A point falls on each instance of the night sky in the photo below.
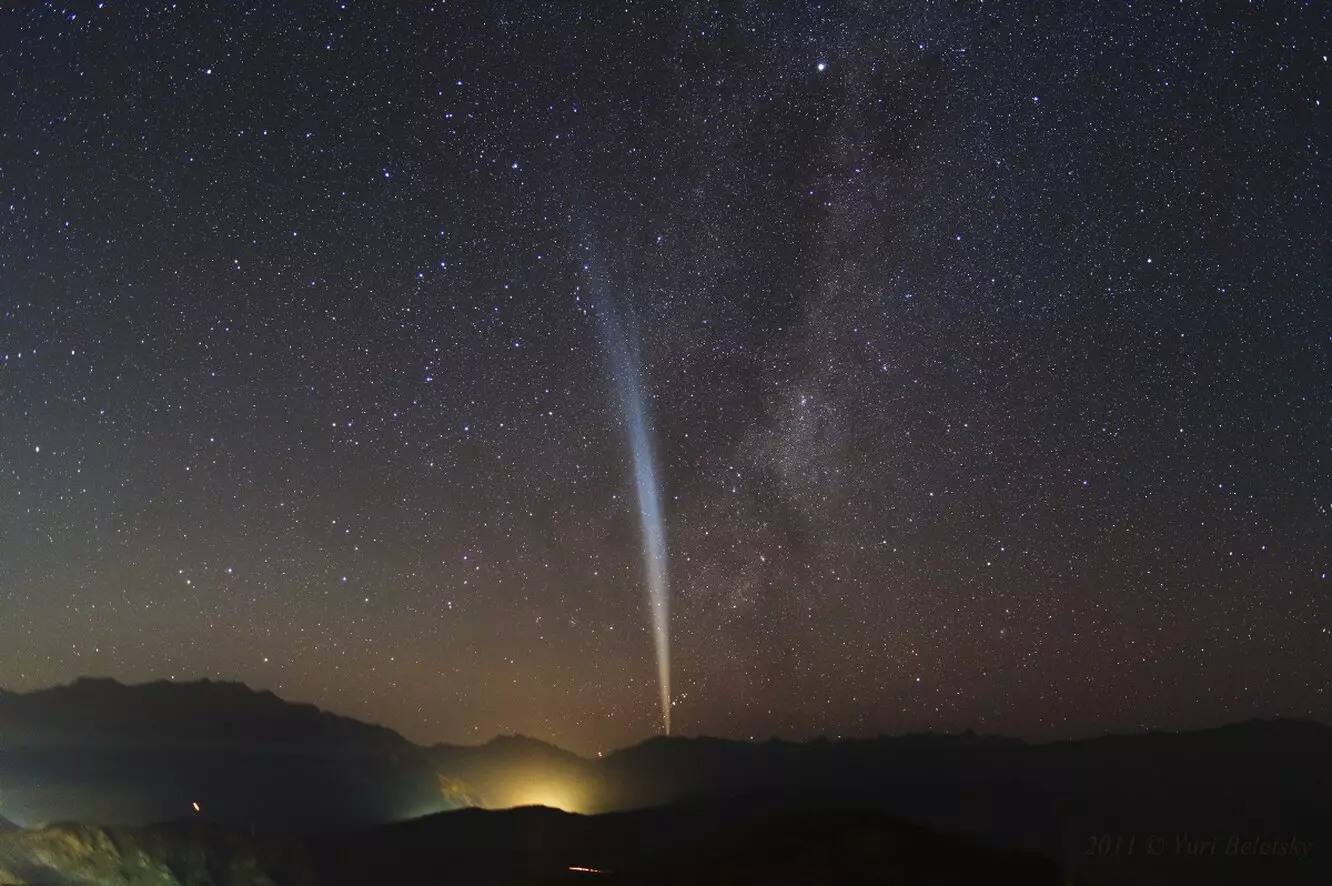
(984, 355)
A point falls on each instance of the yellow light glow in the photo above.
(554, 794)
(196, 806)
(519, 786)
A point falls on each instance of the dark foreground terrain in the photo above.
(727, 843)
(1239, 804)
(768, 840)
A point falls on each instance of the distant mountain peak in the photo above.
(111, 684)
(101, 711)
(523, 741)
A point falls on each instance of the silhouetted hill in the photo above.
(1073, 801)
(713, 843)
(102, 713)
(97, 751)
(519, 771)
(722, 842)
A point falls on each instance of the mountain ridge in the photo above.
(191, 709)
(151, 752)
(81, 687)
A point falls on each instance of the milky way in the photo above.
(973, 361)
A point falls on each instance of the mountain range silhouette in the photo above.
(109, 755)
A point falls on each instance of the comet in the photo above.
(628, 377)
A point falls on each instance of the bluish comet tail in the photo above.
(630, 387)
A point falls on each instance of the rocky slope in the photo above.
(173, 855)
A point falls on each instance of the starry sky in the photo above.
(985, 349)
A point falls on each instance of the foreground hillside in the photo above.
(169, 855)
(98, 751)
(721, 844)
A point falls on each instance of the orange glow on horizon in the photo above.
(550, 792)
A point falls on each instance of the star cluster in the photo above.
(987, 349)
